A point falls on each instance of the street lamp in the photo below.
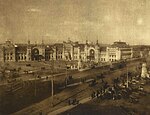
(52, 82)
(66, 80)
(127, 78)
(35, 91)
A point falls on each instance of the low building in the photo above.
(68, 51)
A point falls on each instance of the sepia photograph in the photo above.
(74, 57)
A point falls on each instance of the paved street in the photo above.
(66, 108)
(91, 72)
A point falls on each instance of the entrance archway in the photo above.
(35, 54)
(91, 54)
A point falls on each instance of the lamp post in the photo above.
(52, 83)
(127, 78)
(35, 86)
(66, 81)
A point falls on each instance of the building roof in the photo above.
(21, 48)
(81, 47)
(103, 48)
(58, 44)
(120, 45)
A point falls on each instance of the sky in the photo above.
(79, 20)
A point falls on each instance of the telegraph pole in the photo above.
(52, 82)
(35, 86)
(127, 78)
(66, 81)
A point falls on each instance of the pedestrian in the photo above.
(52, 104)
(40, 113)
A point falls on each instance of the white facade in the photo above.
(68, 51)
(118, 51)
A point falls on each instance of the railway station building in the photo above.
(67, 51)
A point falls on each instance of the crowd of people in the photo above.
(121, 88)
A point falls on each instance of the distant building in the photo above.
(68, 50)
(8, 51)
(143, 50)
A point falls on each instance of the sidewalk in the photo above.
(66, 108)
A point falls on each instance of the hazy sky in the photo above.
(58, 20)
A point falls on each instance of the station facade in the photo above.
(68, 51)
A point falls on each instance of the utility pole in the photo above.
(127, 78)
(52, 82)
(35, 86)
(66, 77)
(66, 80)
